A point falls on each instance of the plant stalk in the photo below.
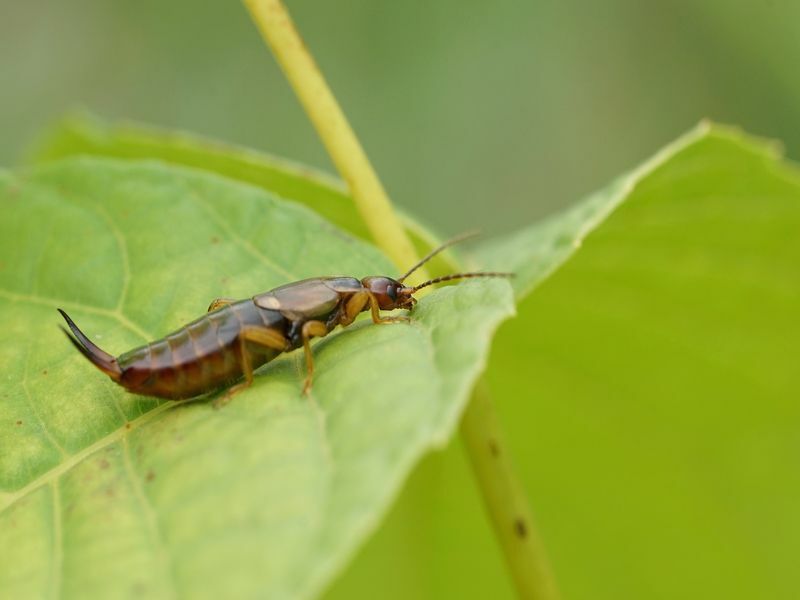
(505, 499)
(348, 156)
(479, 427)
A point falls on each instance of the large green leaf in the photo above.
(85, 134)
(649, 388)
(666, 372)
(82, 133)
(107, 494)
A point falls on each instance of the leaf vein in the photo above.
(63, 467)
(163, 558)
(58, 542)
(246, 244)
(32, 406)
(58, 303)
(123, 250)
(321, 418)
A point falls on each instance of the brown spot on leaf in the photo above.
(104, 464)
(150, 476)
(19, 422)
(214, 239)
(44, 372)
(494, 449)
(127, 425)
(521, 528)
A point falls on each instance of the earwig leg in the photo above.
(376, 314)
(219, 303)
(247, 371)
(258, 337)
(265, 338)
(356, 304)
(353, 307)
(311, 329)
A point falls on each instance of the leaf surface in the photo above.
(86, 134)
(109, 494)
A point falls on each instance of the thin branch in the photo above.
(505, 500)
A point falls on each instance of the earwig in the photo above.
(235, 337)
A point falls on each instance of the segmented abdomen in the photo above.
(199, 357)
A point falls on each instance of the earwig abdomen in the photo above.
(199, 357)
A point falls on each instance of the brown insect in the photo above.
(236, 337)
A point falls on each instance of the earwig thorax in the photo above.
(392, 294)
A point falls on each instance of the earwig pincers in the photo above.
(235, 337)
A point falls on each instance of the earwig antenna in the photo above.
(435, 251)
(459, 276)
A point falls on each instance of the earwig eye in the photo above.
(391, 291)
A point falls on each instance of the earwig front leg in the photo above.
(356, 304)
(311, 329)
(258, 337)
(375, 309)
(219, 303)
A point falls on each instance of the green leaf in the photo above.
(649, 390)
(107, 494)
(665, 367)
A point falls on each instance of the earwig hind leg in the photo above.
(219, 303)
(247, 370)
(311, 329)
(376, 314)
(256, 337)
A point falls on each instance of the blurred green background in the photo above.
(475, 114)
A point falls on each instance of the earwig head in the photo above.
(407, 291)
(390, 293)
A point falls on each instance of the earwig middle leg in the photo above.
(219, 303)
(311, 329)
(258, 337)
(354, 305)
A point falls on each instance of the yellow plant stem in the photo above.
(500, 489)
(328, 119)
(505, 499)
